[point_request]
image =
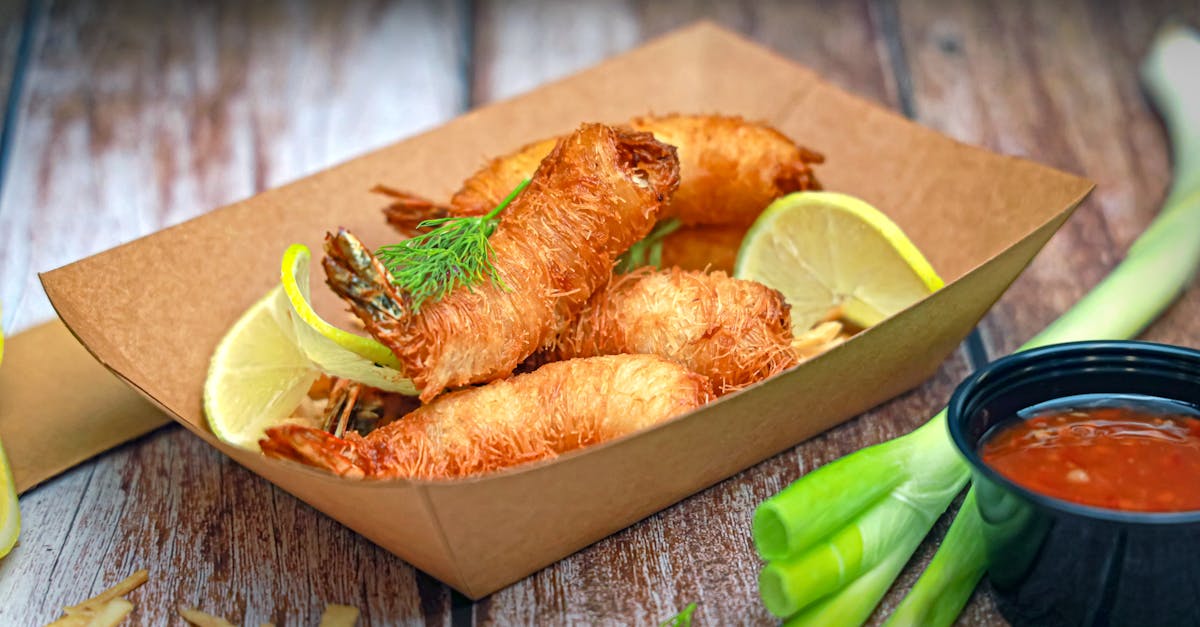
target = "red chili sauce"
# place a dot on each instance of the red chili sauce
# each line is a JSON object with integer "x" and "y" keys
{"x": 1141, "y": 456}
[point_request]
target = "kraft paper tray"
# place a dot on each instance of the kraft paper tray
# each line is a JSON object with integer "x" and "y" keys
{"x": 153, "y": 310}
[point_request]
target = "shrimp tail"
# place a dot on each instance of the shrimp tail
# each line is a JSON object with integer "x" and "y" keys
{"x": 798, "y": 173}
{"x": 314, "y": 447}
{"x": 558, "y": 408}
{"x": 408, "y": 210}
{"x": 549, "y": 261}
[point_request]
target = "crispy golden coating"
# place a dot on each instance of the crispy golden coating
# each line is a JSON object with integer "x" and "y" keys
{"x": 560, "y": 407}
{"x": 487, "y": 187}
{"x": 730, "y": 169}
{"x": 703, "y": 247}
{"x": 551, "y": 260}
{"x": 734, "y": 332}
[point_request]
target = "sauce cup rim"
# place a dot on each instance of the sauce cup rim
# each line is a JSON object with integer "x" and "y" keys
{"x": 967, "y": 447}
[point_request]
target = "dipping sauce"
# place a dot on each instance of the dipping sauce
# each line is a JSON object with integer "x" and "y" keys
{"x": 1133, "y": 453}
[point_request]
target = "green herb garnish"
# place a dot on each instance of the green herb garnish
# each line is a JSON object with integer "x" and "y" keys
{"x": 456, "y": 252}
{"x": 647, "y": 252}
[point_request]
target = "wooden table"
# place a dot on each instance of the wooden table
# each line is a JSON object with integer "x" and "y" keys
{"x": 126, "y": 117}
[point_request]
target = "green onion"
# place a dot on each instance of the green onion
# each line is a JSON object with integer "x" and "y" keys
{"x": 1159, "y": 266}
{"x": 947, "y": 583}
{"x": 836, "y": 539}
{"x": 682, "y": 619}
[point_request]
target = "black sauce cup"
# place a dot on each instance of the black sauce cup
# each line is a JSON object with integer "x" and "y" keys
{"x": 1052, "y": 562}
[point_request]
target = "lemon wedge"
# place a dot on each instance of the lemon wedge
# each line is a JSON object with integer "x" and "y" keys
{"x": 333, "y": 350}
{"x": 266, "y": 363}
{"x": 258, "y": 375}
{"x": 834, "y": 256}
{"x": 10, "y": 513}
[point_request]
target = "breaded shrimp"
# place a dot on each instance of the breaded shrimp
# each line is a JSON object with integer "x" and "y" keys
{"x": 560, "y": 407}
{"x": 734, "y": 332}
{"x": 484, "y": 190}
{"x": 550, "y": 259}
{"x": 730, "y": 169}
{"x": 704, "y": 247}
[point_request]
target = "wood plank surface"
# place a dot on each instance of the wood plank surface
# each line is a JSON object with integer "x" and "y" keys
{"x": 143, "y": 114}
{"x": 136, "y": 115}
{"x": 1022, "y": 78}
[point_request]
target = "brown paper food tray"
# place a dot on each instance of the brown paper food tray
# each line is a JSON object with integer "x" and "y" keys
{"x": 58, "y": 407}
{"x": 153, "y": 310}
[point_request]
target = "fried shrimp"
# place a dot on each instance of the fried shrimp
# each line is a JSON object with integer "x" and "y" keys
{"x": 734, "y": 332}
{"x": 704, "y": 247}
{"x": 560, "y": 407}
{"x": 486, "y": 187}
{"x": 730, "y": 170}
{"x": 598, "y": 192}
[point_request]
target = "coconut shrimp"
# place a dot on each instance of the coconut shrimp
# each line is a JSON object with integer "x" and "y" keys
{"x": 549, "y": 260}
{"x": 734, "y": 332}
{"x": 730, "y": 170}
{"x": 560, "y": 407}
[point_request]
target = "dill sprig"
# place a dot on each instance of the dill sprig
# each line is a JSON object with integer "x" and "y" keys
{"x": 455, "y": 252}
{"x": 647, "y": 252}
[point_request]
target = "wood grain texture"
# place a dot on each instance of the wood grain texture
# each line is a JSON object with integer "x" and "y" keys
{"x": 139, "y": 115}
{"x": 843, "y": 41}
{"x": 1022, "y": 78}
{"x": 524, "y": 43}
{"x": 520, "y": 45}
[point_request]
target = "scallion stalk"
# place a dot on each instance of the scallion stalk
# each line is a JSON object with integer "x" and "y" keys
{"x": 1159, "y": 266}
{"x": 837, "y": 538}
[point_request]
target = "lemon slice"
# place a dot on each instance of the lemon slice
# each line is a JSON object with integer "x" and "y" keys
{"x": 834, "y": 256}
{"x": 10, "y": 514}
{"x": 266, "y": 363}
{"x": 258, "y": 375}
{"x": 333, "y": 350}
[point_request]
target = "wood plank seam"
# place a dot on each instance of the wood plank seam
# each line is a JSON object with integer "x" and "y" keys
{"x": 9, "y": 120}
{"x": 888, "y": 18}
{"x": 8, "y": 128}
{"x": 91, "y": 470}
{"x": 887, "y": 23}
